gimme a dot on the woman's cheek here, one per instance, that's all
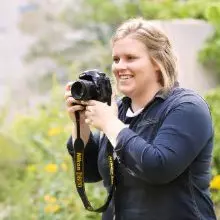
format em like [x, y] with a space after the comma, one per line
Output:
[114, 69]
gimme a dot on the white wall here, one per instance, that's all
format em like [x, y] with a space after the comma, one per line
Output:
[188, 37]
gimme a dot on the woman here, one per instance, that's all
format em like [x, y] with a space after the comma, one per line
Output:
[162, 134]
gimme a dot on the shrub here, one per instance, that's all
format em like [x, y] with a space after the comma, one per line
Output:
[37, 181]
[213, 99]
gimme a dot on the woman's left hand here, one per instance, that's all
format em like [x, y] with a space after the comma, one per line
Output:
[100, 115]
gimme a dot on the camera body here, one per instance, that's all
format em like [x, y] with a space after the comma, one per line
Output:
[92, 84]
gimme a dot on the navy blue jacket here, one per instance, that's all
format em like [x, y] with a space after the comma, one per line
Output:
[163, 160]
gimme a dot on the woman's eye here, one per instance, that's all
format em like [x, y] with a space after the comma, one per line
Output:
[130, 57]
[116, 59]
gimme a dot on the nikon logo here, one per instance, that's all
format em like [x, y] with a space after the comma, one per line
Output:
[111, 166]
[78, 161]
[79, 179]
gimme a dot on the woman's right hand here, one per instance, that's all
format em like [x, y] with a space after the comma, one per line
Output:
[73, 105]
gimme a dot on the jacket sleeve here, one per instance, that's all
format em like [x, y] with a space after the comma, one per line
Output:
[183, 134]
[91, 173]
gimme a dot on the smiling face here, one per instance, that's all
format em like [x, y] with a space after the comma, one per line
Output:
[135, 73]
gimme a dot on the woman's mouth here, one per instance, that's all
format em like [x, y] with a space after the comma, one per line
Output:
[125, 77]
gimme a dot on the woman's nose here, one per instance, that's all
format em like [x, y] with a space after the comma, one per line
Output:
[120, 65]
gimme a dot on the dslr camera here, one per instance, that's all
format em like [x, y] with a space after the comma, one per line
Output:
[92, 84]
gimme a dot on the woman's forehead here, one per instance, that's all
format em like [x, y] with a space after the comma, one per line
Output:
[128, 45]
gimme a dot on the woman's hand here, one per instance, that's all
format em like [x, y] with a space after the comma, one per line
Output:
[104, 117]
[98, 114]
[73, 105]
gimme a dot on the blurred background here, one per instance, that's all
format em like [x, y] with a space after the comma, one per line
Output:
[46, 43]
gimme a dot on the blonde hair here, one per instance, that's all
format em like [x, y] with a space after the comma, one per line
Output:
[157, 44]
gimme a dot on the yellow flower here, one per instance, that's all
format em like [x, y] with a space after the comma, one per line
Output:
[50, 199]
[51, 168]
[51, 208]
[63, 167]
[215, 183]
[54, 131]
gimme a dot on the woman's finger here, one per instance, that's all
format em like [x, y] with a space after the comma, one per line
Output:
[75, 108]
[70, 101]
[68, 86]
[67, 94]
[91, 102]
[88, 114]
[89, 108]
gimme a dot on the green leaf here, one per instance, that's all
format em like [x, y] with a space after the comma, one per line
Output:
[212, 13]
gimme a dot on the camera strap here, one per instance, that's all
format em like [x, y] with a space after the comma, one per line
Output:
[79, 170]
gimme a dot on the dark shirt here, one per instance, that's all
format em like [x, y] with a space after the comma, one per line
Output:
[163, 160]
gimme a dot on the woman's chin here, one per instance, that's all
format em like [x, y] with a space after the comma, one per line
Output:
[125, 92]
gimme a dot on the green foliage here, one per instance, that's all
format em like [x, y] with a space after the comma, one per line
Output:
[213, 99]
[211, 51]
[95, 23]
[37, 180]
[12, 162]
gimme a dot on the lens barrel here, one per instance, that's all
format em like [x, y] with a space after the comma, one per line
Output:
[83, 90]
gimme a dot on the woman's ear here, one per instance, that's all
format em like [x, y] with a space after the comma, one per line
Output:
[155, 65]
[158, 71]
[159, 77]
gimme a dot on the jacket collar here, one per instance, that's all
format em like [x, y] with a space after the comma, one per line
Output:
[161, 94]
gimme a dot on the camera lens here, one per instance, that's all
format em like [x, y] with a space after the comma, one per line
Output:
[83, 90]
[77, 90]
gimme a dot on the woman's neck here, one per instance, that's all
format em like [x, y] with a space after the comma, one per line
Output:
[141, 101]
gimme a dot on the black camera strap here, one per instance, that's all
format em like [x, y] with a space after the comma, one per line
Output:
[79, 170]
